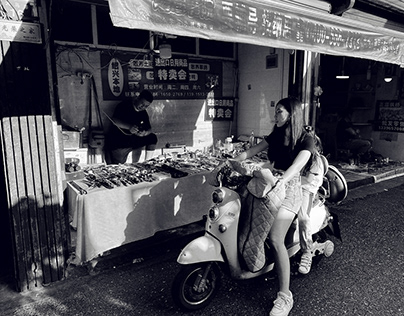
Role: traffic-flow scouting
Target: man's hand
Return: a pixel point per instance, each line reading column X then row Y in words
column 134, row 130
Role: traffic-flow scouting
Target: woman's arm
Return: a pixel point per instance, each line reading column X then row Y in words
column 297, row 165
column 252, row 151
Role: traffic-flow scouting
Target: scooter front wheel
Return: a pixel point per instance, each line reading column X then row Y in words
column 195, row 286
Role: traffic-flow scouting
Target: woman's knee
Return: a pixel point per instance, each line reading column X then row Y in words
column 276, row 240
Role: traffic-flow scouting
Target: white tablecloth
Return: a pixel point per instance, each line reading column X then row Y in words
column 108, row 218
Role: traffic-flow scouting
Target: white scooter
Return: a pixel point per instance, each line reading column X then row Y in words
column 204, row 259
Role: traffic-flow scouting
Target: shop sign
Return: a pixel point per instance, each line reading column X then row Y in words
column 115, row 77
column 390, row 116
column 168, row 70
column 269, row 23
column 219, row 109
column 179, row 77
column 17, row 31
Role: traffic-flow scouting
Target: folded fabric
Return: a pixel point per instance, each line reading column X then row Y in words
column 246, row 167
column 262, row 182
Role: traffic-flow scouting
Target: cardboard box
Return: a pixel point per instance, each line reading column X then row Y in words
column 71, row 140
column 80, row 153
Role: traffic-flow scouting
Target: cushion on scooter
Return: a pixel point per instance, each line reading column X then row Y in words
column 256, row 219
column 262, row 182
column 245, row 167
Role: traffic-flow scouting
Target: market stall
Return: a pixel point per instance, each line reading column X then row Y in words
column 108, row 211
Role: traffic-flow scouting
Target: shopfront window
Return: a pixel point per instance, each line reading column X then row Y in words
column 117, row 36
column 71, row 22
column 215, row 48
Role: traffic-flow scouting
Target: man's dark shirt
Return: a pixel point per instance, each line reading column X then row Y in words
column 124, row 111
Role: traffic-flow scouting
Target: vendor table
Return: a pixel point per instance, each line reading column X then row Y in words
column 108, row 218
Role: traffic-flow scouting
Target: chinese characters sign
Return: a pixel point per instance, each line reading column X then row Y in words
column 272, row 23
column 17, row 31
column 219, row 109
column 179, row 77
column 171, row 70
column 390, row 116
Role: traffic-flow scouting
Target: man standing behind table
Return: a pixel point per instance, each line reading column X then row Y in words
column 350, row 138
column 131, row 130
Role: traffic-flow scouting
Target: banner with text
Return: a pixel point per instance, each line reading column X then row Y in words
column 266, row 23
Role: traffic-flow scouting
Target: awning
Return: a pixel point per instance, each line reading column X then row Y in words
column 275, row 23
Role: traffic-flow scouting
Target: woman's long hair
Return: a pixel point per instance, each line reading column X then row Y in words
column 296, row 124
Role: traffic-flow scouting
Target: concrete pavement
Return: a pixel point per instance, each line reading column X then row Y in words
column 360, row 185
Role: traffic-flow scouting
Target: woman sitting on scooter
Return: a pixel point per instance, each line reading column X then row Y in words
column 289, row 149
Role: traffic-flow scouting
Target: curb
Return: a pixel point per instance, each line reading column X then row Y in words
column 355, row 179
column 389, row 175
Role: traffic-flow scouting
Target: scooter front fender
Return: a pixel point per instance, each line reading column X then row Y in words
column 202, row 249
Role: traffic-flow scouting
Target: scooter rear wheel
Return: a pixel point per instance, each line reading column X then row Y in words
column 187, row 291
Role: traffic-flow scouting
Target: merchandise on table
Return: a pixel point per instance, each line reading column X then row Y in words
column 110, row 176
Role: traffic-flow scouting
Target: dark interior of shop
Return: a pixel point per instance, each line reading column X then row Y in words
column 365, row 83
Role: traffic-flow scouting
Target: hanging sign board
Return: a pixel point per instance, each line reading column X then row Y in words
column 390, row 116
column 267, row 23
column 178, row 77
column 17, row 31
column 219, row 109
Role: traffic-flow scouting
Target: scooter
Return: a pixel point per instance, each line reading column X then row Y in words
column 205, row 258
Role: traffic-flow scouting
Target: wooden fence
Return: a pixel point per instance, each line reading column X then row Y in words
column 39, row 226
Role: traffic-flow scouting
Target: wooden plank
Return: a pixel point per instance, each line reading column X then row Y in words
column 19, row 131
column 36, row 191
column 65, row 226
column 58, row 218
column 40, row 246
column 5, row 136
column 20, row 199
column 35, row 259
column 42, row 178
column 12, row 190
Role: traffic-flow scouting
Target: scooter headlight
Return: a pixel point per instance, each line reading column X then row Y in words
column 214, row 213
column 217, row 196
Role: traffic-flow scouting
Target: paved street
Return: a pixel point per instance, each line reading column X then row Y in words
column 364, row 276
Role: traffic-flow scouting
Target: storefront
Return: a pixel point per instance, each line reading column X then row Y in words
column 231, row 85
column 364, row 37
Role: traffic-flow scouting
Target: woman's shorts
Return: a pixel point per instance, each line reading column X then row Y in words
column 293, row 199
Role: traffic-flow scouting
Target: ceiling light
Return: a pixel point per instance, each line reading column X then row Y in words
column 389, row 72
column 342, row 75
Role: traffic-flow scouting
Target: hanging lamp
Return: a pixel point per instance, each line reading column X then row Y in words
column 388, row 73
column 165, row 49
column 342, row 75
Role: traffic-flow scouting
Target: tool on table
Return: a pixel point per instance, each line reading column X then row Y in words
column 77, row 187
